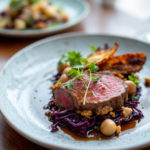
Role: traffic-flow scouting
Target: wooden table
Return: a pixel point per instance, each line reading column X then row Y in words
column 100, row 20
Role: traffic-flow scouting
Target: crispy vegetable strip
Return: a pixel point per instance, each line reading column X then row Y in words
column 125, row 64
column 101, row 56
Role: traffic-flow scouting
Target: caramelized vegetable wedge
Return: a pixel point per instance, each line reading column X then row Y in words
column 125, row 64
column 101, row 56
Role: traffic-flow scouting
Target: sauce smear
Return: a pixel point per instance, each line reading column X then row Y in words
column 129, row 125
column 96, row 135
column 92, row 135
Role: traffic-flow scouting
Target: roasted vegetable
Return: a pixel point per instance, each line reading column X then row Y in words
column 124, row 64
column 101, row 56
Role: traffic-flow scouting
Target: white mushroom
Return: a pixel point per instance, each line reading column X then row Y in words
column 131, row 87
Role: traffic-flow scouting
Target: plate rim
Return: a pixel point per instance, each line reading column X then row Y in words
column 46, row 31
column 39, row 42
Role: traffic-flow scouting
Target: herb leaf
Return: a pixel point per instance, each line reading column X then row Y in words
column 93, row 48
column 95, row 79
column 93, row 67
column 62, row 60
column 133, row 78
column 69, row 86
column 73, row 73
column 84, row 60
column 73, row 58
column 132, row 97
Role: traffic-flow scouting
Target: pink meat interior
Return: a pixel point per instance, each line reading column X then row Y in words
column 108, row 86
column 63, row 99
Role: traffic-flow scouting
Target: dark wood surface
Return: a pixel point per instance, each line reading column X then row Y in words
column 100, row 20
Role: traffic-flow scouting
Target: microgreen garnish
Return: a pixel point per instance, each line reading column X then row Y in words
column 133, row 78
column 69, row 86
column 95, row 79
column 93, row 48
column 132, row 97
column 74, row 59
column 93, row 67
column 74, row 73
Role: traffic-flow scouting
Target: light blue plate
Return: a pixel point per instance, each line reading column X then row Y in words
column 24, row 90
column 77, row 10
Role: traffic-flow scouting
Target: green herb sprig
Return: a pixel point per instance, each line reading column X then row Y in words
column 93, row 48
column 69, row 86
column 92, row 68
column 133, row 78
column 73, row 58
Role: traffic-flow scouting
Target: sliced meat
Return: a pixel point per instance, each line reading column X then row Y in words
column 108, row 93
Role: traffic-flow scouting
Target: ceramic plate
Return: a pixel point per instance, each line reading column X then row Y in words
column 77, row 10
column 25, row 89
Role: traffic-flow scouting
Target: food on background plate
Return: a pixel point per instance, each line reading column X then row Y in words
column 31, row 14
column 98, row 93
column 147, row 82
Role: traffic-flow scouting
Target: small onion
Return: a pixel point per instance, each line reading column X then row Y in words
column 108, row 127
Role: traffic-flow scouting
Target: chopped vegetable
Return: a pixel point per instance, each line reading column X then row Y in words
column 17, row 4
column 30, row 22
column 36, row 14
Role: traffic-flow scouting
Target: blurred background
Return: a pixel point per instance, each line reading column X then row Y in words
column 129, row 18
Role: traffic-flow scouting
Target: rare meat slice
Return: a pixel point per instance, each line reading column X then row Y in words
column 108, row 93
